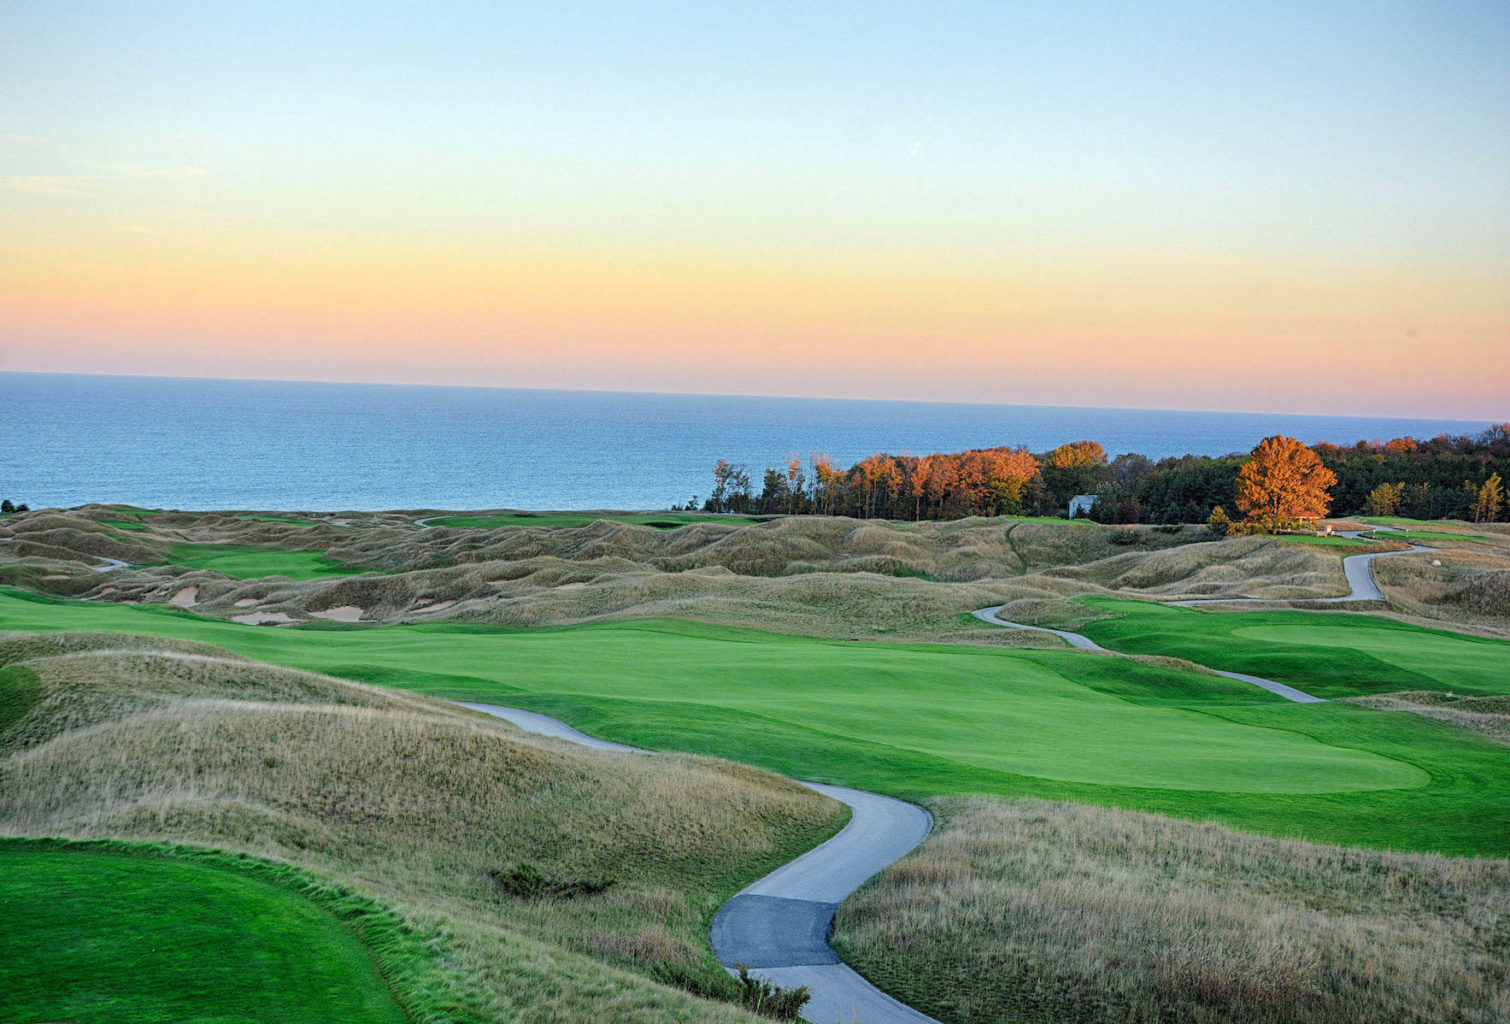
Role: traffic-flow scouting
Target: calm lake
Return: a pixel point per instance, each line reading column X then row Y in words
column 234, row 444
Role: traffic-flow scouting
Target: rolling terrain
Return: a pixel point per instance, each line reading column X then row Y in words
column 739, row 640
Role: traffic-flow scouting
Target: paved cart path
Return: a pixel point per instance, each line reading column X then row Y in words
column 779, row 926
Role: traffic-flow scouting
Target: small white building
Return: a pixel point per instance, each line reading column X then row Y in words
column 1080, row 505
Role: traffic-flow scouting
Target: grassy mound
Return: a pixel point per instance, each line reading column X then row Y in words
column 110, row 934
column 416, row 804
column 1037, row 911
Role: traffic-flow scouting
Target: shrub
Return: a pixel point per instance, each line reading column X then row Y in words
column 529, row 882
column 772, row 1000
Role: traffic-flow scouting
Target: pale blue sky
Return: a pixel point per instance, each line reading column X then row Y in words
column 1316, row 135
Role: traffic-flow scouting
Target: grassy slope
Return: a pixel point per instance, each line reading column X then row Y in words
column 664, row 520
column 413, row 803
column 247, row 562
column 1330, row 654
column 1028, row 911
column 919, row 721
column 112, row 936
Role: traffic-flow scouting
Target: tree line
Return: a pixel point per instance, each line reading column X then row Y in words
column 1450, row 476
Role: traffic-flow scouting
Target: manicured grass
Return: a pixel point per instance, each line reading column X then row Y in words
column 917, row 720
column 1422, row 536
column 247, row 562
column 660, row 520
column 1330, row 654
column 1402, row 521
column 121, row 524
column 1324, row 542
column 105, row 935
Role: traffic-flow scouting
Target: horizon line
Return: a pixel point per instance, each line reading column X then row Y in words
column 1484, row 421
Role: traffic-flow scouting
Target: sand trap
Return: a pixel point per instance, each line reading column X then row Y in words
column 246, row 602
column 442, row 606
column 54, row 576
column 341, row 613
column 110, row 590
column 188, row 597
column 263, row 618
column 571, row 586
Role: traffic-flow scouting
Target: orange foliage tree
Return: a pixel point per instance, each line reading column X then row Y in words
column 1282, row 483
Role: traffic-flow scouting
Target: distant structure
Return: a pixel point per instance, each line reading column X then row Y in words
column 1080, row 505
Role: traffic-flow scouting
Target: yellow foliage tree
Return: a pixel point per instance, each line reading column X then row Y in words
column 1284, row 482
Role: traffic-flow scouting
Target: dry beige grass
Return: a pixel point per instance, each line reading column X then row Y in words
column 411, row 801
column 1026, row 911
column 1484, row 716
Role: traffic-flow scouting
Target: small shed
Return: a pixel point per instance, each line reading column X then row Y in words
column 1080, row 505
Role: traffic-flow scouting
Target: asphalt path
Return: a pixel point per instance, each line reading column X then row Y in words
column 779, row 926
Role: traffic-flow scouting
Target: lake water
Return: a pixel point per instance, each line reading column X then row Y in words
column 233, row 444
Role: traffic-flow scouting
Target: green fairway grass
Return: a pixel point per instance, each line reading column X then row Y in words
column 122, row 524
column 1330, row 654
column 1427, row 536
column 1324, row 542
column 661, row 520
column 921, row 720
column 247, row 562
column 1402, row 521
column 100, row 934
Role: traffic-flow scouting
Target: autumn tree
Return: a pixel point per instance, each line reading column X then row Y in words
column 1282, row 483
column 1073, row 469
column 1218, row 522
column 796, row 483
column 1489, row 499
column 1384, row 500
column 824, row 476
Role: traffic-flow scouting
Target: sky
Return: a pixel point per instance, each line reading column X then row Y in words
column 1295, row 207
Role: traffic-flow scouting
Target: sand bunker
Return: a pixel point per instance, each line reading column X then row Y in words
column 54, row 576
column 246, row 602
column 341, row 613
column 188, row 597
column 442, row 606
column 571, row 586
column 263, row 618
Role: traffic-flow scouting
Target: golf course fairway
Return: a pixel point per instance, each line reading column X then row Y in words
column 919, row 720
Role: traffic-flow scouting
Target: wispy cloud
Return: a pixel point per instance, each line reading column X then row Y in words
column 48, row 184
column 140, row 171
column 97, row 175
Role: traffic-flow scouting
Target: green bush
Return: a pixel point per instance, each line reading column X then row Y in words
column 772, row 1000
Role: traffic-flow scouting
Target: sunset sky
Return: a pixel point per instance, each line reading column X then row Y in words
column 1302, row 207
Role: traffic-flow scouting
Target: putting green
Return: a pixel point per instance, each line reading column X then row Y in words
column 1330, row 654
column 249, row 562
column 107, row 937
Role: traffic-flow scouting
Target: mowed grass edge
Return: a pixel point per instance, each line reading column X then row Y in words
column 286, row 946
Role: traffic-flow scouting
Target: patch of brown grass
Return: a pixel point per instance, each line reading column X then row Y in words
column 1025, row 910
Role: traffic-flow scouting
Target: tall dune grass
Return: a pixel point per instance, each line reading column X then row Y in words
column 1019, row 911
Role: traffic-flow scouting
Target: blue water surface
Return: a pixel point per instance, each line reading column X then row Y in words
column 237, row 444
